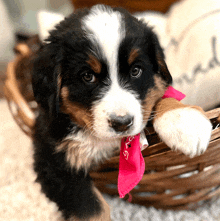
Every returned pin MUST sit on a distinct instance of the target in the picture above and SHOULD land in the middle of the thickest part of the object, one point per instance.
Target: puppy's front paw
(184, 129)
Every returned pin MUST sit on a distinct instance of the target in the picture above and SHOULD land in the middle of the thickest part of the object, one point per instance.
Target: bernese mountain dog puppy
(96, 80)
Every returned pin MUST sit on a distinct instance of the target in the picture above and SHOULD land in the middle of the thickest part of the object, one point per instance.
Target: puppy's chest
(84, 151)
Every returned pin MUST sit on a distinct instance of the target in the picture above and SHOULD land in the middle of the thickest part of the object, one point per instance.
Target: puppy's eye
(88, 77)
(136, 72)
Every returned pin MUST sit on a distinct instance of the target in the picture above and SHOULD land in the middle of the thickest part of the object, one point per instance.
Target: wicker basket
(171, 180)
(131, 5)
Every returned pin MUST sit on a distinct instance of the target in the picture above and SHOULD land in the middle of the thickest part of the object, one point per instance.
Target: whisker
(147, 130)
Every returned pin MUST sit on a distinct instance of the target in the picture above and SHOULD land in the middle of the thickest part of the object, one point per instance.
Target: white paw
(184, 129)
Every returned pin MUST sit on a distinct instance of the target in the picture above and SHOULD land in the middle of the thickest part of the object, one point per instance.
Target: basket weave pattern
(171, 180)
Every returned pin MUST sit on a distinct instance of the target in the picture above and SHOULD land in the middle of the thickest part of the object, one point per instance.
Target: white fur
(184, 129)
(120, 102)
(91, 149)
(106, 31)
(143, 141)
(95, 147)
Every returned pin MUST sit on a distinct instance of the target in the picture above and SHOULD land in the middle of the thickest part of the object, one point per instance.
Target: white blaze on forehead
(106, 31)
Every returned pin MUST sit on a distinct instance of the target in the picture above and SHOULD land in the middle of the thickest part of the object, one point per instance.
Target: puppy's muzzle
(120, 123)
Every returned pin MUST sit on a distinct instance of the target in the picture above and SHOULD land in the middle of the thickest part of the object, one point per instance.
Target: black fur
(71, 190)
(64, 56)
(140, 36)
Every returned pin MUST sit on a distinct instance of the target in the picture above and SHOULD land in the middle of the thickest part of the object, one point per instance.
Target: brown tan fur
(76, 155)
(78, 113)
(105, 213)
(168, 104)
(94, 64)
(152, 97)
(85, 151)
(73, 153)
(218, 119)
(163, 67)
(133, 55)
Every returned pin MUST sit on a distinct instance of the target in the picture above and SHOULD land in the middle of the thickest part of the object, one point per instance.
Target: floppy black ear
(158, 60)
(162, 67)
(45, 78)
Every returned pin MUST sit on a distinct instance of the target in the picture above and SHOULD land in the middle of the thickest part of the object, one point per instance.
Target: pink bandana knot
(173, 93)
(131, 162)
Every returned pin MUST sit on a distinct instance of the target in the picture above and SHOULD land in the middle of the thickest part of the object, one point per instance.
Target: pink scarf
(131, 162)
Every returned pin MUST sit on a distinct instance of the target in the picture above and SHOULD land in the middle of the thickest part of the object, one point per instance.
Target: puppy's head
(104, 69)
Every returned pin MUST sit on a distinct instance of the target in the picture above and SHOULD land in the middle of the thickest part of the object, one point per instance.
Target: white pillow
(47, 21)
(158, 21)
(6, 34)
(193, 54)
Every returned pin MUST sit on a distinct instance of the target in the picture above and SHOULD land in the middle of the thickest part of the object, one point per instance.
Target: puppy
(96, 80)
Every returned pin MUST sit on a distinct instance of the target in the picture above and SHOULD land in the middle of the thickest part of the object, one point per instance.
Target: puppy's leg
(182, 127)
(104, 215)
(73, 191)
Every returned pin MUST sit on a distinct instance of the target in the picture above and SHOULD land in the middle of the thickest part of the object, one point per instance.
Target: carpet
(21, 198)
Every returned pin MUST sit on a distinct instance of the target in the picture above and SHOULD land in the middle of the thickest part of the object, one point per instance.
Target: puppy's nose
(121, 123)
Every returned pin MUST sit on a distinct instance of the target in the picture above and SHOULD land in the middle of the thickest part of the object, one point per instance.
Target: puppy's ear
(158, 60)
(46, 78)
(162, 67)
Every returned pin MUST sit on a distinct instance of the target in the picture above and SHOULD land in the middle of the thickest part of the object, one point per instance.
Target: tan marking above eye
(94, 64)
(133, 55)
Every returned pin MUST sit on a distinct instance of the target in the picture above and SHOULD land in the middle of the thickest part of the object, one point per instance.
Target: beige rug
(21, 199)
